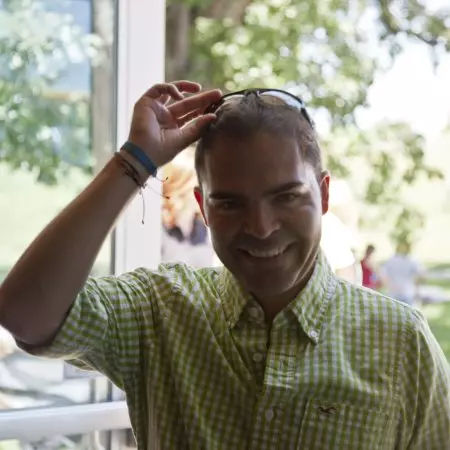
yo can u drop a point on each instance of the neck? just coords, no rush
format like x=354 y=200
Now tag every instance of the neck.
x=272 y=306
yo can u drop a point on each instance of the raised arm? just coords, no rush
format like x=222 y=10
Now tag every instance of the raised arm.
x=40 y=289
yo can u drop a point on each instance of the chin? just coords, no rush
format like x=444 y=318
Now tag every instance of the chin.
x=270 y=287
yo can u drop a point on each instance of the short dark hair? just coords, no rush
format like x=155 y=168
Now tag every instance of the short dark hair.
x=370 y=249
x=244 y=117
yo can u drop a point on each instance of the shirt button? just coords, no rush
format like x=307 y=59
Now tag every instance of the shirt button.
x=314 y=334
x=254 y=312
x=257 y=357
x=270 y=414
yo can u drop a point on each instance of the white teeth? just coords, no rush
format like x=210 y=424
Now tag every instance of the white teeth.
x=267 y=253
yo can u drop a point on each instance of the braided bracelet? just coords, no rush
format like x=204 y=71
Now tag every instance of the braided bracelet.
x=129 y=169
x=138 y=154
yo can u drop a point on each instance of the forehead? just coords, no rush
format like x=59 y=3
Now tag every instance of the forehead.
x=261 y=161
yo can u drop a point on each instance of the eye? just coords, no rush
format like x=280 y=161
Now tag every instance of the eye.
x=287 y=198
x=227 y=205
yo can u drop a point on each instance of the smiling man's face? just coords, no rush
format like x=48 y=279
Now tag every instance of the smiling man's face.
x=263 y=204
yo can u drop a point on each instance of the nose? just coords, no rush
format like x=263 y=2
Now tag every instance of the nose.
x=260 y=221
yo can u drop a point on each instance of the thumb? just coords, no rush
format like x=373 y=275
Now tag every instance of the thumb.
x=192 y=131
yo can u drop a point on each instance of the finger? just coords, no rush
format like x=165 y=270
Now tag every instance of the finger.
x=164 y=89
x=188 y=117
x=198 y=101
x=164 y=99
x=187 y=86
x=192 y=131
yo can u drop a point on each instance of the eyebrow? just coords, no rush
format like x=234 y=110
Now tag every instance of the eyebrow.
x=226 y=195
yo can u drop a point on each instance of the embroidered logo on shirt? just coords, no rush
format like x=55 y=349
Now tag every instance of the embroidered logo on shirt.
x=327 y=410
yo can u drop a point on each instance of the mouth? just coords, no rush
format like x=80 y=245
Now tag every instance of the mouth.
x=268 y=255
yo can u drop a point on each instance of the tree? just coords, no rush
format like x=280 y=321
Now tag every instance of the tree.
x=41 y=130
x=329 y=53
x=385 y=162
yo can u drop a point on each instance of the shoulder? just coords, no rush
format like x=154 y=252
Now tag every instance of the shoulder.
x=149 y=288
x=401 y=324
x=182 y=274
x=370 y=309
x=184 y=281
x=176 y=274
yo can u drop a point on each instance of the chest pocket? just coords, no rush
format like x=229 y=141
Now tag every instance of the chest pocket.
x=336 y=427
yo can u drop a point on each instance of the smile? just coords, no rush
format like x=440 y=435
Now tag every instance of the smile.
x=272 y=253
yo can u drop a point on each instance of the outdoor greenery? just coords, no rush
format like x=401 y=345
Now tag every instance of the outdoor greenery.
x=41 y=129
x=327 y=52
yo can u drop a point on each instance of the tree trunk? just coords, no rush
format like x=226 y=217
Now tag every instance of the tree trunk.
x=180 y=23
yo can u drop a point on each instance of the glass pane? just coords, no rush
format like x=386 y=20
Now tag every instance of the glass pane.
x=57 y=97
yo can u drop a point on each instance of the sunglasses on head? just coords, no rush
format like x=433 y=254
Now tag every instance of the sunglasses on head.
x=268 y=96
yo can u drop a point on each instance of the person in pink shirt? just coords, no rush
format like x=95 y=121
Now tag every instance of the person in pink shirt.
x=370 y=278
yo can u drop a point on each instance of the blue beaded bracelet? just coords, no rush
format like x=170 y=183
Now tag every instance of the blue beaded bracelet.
x=140 y=155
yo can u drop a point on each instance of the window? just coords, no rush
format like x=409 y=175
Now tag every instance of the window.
x=78 y=97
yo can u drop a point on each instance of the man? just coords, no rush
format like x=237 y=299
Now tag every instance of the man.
x=401 y=274
x=270 y=352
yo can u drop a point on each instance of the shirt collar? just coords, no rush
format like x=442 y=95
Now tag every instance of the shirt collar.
x=309 y=307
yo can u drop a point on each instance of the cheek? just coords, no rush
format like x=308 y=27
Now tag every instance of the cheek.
x=222 y=226
x=306 y=222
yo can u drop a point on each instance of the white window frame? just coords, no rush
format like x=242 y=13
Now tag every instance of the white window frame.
x=141 y=50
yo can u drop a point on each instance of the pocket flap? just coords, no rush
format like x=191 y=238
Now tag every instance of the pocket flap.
x=329 y=426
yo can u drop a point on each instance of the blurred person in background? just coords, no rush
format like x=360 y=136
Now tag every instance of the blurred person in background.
x=370 y=278
x=185 y=235
x=401 y=275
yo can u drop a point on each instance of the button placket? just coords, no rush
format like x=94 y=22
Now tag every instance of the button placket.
x=269 y=414
x=258 y=357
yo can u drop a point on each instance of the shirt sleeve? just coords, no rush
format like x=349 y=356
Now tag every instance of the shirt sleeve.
x=108 y=327
x=427 y=385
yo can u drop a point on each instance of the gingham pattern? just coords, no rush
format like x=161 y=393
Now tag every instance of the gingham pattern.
x=341 y=368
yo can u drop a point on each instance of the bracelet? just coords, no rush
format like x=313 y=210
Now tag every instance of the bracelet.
x=134 y=175
x=128 y=169
x=140 y=155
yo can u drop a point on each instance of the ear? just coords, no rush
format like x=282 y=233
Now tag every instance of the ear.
x=198 y=194
x=325 y=190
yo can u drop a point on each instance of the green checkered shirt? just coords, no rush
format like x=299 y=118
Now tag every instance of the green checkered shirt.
x=341 y=367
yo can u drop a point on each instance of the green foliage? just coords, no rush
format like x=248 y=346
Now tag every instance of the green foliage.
x=385 y=162
x=329 y=53
x=407 y=226
x=41 y=130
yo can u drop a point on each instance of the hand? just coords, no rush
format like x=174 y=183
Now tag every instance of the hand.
x=163 y=130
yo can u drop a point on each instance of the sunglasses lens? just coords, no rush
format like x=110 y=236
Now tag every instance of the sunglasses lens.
x=280 y=98
x=271 y=97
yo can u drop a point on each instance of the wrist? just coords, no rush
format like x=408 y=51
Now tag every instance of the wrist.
x=138 y=167
x=137 y=154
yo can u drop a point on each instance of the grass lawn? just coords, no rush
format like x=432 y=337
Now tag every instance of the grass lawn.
x=26 y=207
x=438 y=315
